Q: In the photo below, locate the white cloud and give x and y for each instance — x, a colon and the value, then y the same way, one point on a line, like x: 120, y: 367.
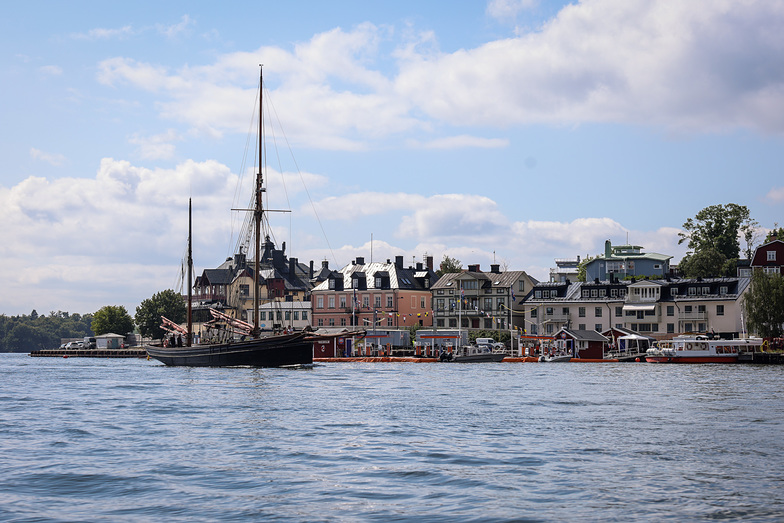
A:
x: 157, y: 147
x: 775, y: 195
x: 175, y: 30
x: 51, y: 70
x: 105, y: 34
x: 53, y: 159
x: 505, y: 9
x: 461, y: 142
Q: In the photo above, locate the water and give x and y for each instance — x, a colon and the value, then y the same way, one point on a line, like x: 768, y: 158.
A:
x: 132, y: 440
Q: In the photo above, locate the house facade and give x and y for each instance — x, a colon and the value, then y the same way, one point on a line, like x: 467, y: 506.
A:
x: 657, y: 308
x: 385, y: 295
x: 624, y: 261
x: 769, y: 257
x: 476, y: 300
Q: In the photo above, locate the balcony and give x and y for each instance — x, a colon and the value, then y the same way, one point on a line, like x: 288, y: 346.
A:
x: 693, y: 316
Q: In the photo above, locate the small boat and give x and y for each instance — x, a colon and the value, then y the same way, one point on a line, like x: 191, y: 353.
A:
x: 244, y: 344
x: 701, y: 349
x: 476, y: 354
x: 555, y: 358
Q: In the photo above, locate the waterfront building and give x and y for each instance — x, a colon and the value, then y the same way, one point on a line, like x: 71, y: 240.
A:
x: 622, y: 261
x: 769, y: 257
x: 384, y: 295
x: 565, y: 269
x: 657, y: 308
x: 477, y: 300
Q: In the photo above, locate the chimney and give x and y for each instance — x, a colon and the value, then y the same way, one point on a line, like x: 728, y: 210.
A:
x: 325, y: 264
x: 419, y: 266
x: 292, y: 267
x: 429, y: 261
x: 607, y: 249
x: 310, y: 273
x: 359, y: 261
x: 474, y: 268
x: 399, y: 262
x: 578, y: 259
x: 495, y: 268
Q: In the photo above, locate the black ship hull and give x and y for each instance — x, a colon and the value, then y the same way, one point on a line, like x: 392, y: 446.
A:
x: 273, y: 351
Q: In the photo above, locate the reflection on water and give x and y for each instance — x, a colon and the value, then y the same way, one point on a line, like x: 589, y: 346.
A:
x: 84, y: 439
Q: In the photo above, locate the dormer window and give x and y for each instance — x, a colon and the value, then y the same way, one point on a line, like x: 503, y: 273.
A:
x: 332, y: 284
x: 771, y: 255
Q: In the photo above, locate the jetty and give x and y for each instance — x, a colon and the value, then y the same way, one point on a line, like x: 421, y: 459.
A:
x: 90, y: 353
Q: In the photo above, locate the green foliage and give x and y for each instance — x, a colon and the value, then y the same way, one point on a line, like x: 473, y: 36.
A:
x: 112, y: 319
x: 33, y: 332
x: 777, y: 232
x: 716, y: 228
x: 165, y: 303
x: 448, y: 265
x: 502, y: 336
x: 706, y: 263
x: 763, y: 304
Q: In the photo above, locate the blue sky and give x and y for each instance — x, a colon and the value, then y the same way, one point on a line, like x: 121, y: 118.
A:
x: 508, y: 131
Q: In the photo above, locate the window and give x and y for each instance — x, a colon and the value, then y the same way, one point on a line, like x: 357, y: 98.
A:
x: 692, y: 291
x: 488, y: 304
x: 602, y: 293
x: 719, y: 310
x: 391, y: 323
x: 331, y: 302
x: 342, y: 301
x: 770, y: 270
x: 701, y: 308
x: 670, y: 310
x: 594, y: 293
x: 581, y: 326
x: 332, y: 322
x: 488, y: 323
x: 279, y: 315
x: 244, y: 290
x: 320, y: 302
x: 581, y: 312
x: 598, y: 327
x: 377, y: 302
x: 723, y: 289
x: 533, y: 313
x: 390, y: 302
x: 263, y: 316
x: 440, y: 291
x: 548, y: 311
x: 320, y: 322
x: 453, y: 322
x: 342, y: 322
x: 537, y: 294
x: 296, y: 315
x: 332, y: 284
x: 565, y: 311
x: 422, y: 303
x: 586, y: 293
x: 550, y: 328
x: 287, y: 316
x: 771, y: 255
x: 674, y: 291
x: 304, y: 315
x: 613, y: 293
x: 378, y: 282
x: 670, y: 328
x: 366, y: 301
x: 618, y: 312
x: 597, y: 312
x: 500, y: 303
x: 521, y: 286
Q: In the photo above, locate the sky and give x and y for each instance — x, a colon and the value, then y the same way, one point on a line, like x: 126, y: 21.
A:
x: 507, y: 131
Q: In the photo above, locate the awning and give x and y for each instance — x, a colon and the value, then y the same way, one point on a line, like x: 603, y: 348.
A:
x: 635, y: 308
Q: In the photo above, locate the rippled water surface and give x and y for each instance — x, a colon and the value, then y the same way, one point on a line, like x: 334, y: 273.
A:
x: 131, y: 440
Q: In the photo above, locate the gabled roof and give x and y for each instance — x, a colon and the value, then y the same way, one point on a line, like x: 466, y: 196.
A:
x: 584, y: 335
x: 399, y: 278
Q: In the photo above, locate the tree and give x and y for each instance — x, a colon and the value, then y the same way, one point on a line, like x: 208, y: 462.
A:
x: 777, y: 233
x: 167, y: 303
x: 717, y: 227
x: 703, y: 264
x: 763, y: 304
x: 449, y: 264
x: 112, y: 318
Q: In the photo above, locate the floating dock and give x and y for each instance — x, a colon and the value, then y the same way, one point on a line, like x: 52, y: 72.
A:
x: 89, y: 353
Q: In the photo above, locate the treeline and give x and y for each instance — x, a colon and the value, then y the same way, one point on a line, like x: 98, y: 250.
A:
x: 32, y: 332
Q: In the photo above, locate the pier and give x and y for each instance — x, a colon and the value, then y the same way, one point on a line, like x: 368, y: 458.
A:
x: 89, y: 353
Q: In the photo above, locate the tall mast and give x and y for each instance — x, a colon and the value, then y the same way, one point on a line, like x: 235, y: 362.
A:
x: 258, y: 211
x: 189, y: 336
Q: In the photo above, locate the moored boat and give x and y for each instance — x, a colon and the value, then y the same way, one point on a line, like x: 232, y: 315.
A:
x: 476, y: 354
x: 701, y: 349
x: 243, y: 344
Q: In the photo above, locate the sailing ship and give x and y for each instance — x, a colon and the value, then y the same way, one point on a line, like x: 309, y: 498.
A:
x: 252, y: 347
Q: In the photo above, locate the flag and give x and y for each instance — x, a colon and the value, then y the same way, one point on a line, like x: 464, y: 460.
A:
x: 513, y: 296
